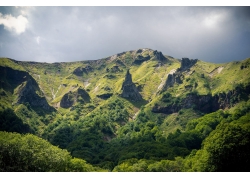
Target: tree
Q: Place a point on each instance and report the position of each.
(229, 149)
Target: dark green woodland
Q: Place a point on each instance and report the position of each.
(136, 111)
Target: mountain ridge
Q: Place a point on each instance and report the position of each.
(87, 113)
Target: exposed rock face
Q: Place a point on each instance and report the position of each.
(172, 79)
(24, 87)
(155, 55)
(120, 54)
(140, 59)
(70, 98)
(82, 95)
(80, 70)
(159, 56)
(207, 103)
(115, 69)
(11, 78)
(187, 63)
(67, 100)
(176, 78)
(139, 51)
(204, 103)
(129, 89)
(27, 94)
(119, 63)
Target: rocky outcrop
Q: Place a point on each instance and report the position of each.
(115, 69)
(24, 88)
(80, 70)
(82, 95)
(159, 56)
(202, 103)
(172, 79)
(67, 100)
(129, 90)
(120, 63)
(177, 77)
(186, 63)
(206, 103)
(139, 51)
(28, 91)
(140, 59)
(10, 78)
(70, 98)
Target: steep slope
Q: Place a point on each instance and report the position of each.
(129, 89)
(112, 117)
(69, 99)
(28, 153)
(23, 88)
(21, 95)
(205, 86)
(100, 77)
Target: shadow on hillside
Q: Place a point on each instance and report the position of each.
(137, 104)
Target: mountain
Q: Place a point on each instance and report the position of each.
(134, 111)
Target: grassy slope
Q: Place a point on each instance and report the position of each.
(28, 153)
(57, 79)
(216, 78)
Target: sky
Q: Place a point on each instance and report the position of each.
(74, 33)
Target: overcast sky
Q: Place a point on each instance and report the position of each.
(56, 34)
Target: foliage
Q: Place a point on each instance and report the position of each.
(11, 123)
(122, 135)
(226, 148)
(30, 153)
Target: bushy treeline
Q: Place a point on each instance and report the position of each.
(224, 140)
(11, 123)
(29, 153)
(218, 141)
(226, 149)
(96, 139)
(87, 136)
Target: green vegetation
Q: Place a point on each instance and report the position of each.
(28, 153)
(71, 117)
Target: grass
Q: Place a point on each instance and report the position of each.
(203, 77)
(5, 62)
(231, 76)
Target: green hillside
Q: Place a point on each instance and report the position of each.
(189, 115)
(29, 153)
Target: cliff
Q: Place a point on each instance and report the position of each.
(129, 89)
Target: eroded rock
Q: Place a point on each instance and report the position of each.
(129, 89)
(70, 98)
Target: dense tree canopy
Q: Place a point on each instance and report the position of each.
(30, 153)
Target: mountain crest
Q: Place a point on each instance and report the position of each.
(177, 76)
(187, 63)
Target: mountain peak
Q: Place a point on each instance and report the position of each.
(187, 63)
(129, 89)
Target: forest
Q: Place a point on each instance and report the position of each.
(88, 117)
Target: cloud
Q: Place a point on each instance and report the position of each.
(17, 25)
(214, 34)
(38, 39)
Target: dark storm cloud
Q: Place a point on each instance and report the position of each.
(215, 34)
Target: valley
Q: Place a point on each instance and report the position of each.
(133, 111)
